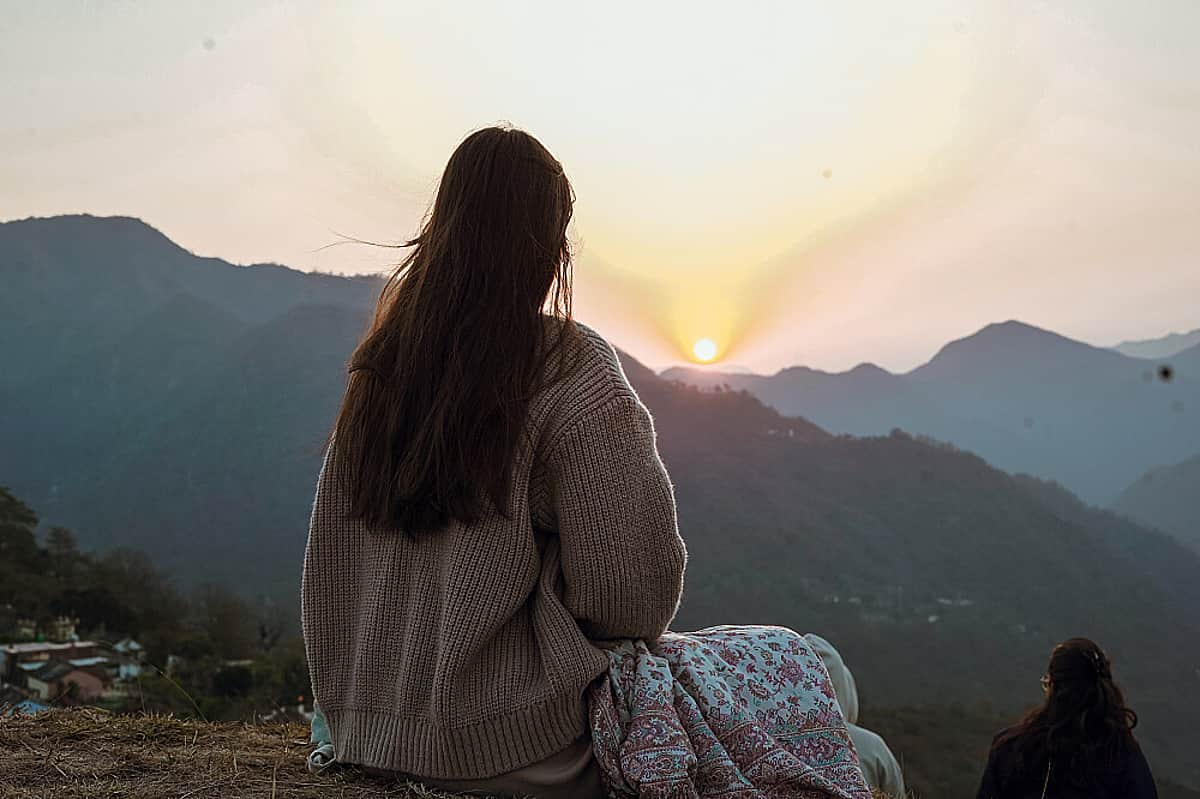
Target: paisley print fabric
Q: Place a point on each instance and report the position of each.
(731, 712)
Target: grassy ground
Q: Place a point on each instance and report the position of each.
(73, 753)
(87, 752)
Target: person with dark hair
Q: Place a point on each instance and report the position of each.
(491, 500)
(494, 530)
(1078, 743)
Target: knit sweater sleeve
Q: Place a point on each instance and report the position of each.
(622, 557)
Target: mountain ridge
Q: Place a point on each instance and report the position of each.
(1167, 498)
(1025, 398)
(989, 333)
(1162, 347)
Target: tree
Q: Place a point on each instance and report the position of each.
(233, 682)
(281, 676)
(159, 610)
(60, 543)
(227, 621)
(272, 623)
(64, 555)
(20, 556)
(97, 609)
(18, 546)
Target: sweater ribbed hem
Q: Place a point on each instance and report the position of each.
(487, 749)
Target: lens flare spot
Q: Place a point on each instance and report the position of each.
(704, 349)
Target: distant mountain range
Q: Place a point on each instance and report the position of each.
(1026, 399)
(175, 404)
(1163, 347)
(1167, 498)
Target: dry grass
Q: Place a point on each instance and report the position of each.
(87, 752)
(80, 753)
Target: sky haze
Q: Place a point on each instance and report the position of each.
(798, 182)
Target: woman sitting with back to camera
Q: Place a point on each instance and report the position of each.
(1078, 744)
(493, 530)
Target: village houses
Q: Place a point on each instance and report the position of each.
(65, 671)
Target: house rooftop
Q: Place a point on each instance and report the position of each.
(52, 670)
(32, 647)
(26, 706)
(94, 661)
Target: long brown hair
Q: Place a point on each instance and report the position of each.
(440, 384)
(1083, 725)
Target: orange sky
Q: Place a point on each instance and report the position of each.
(800, 182)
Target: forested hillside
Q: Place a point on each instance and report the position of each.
(1027, 399)
(1168, 498)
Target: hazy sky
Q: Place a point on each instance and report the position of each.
(802, 182)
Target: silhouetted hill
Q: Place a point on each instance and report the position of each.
(1167, 498)
(189, 424)
(1163, 347)
(73, 277)
(1026, 399)
(1003, 351)
(1186, 362)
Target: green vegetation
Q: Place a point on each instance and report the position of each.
(1168, 498)
(229, 660)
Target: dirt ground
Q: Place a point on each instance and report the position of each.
(87, 752)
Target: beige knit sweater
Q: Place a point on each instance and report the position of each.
(466, 654)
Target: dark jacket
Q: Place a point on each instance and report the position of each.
(1127, 778)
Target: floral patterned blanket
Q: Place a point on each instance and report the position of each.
(731, 712)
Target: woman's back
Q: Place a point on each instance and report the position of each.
(465, 652)
(1078, 743)
(492, 515)
(1125, 776)
(491, 498)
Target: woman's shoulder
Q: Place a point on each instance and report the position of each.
(1001, 754)
(587, 376)
(584, 341)
(591, 361)
(1004, 735)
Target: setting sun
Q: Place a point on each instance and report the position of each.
(704, 349)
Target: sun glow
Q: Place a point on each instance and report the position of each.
(743, 138)
(704, 349)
